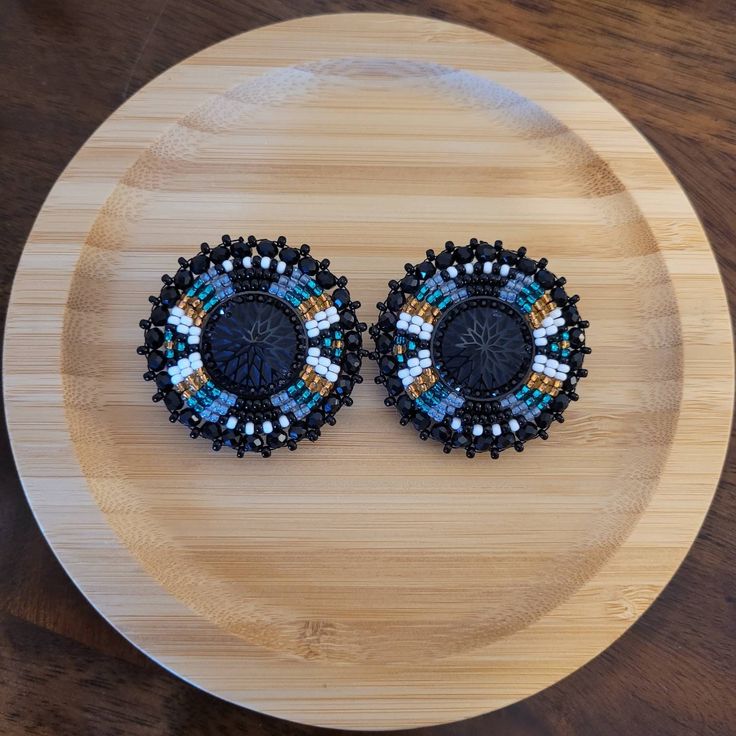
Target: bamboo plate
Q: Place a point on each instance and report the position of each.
(370, 581)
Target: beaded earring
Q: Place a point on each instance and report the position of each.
(480, 347)
(253, 345)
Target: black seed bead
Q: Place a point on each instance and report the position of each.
(508, 258)
(289, 256)
(483, 443)
(527, 432)
(576, 360)
(460, 440)
(297, 432)
(183, 279)
(169, 296)
(395, 301)
(505, 440)
(240, 249)
(571, 314)
(154, 338)
(315, 420)
(394, 385)
(230, 438)
(545, 419)
(326, 280)
(219, 254)
(199, 263)
(308, 265)
(159, 315)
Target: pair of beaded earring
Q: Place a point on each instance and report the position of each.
(256, 345)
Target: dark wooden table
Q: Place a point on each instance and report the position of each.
(65, 65)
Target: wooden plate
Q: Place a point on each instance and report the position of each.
(370, 581)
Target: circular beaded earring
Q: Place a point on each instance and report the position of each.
(253, 345)
(480, 347)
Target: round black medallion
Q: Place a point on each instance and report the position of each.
(253, 344)
(484, 347)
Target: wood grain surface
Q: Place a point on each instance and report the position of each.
(671, 679)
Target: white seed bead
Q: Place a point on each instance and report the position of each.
(415, 371)
(452, 271)
(173, 320)
(537, 367)
(250, 428)
(186, 320)
(332, 318)
(555, 313)
(547, 322)
(193, 339)
(403, 373)
(331, 376)
(323, 361)
(560, 321)
(310, 324)
(311, 360)
(182, 363)
(477, 430)
(424, 354)
(284, 421)
(423, 335)
(541, 358)
(513, 425)
(552, 330)
(324, 325)
(197, 364)
(407, 380)
(468, 268)
(487, 267)
(427, 327)
(177, 311)
(195, 330)
(182, 329)
(505, 269)
(228, 266)
(563, 368)
(280, 267)
(539, 332)
(265, 262)
(321, 369)
(412, 362)
(560, 376)
(405, 316)
(247, 262)
(425, 362)
(414, 329)
(551, 372)
(232, 422)
(456, 424)
(320, 316)
(313, 351)
(173, 370)
(186, 372)
(540, 341)
(417, 320)
(267, 427)
(313, 333)
(331, 310)
(402, 325)
(552, 363)
(495, 430)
